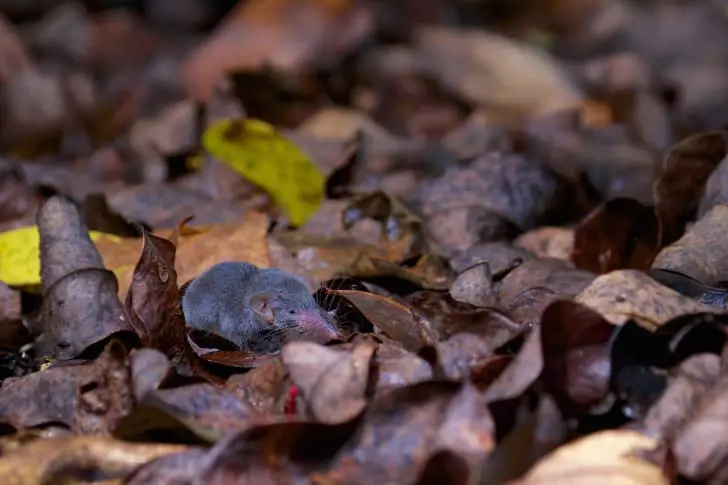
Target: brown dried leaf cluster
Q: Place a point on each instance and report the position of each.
(522, 242)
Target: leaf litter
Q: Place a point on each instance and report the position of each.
(512, 214)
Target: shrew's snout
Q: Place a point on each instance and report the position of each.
(313, 323)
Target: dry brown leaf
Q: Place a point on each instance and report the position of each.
(280, 33)
(64, 459)
(700, 253)
(332, 381)
(548, 242)
(632, 295)
(474, 286)
(396, 319)
(244, 240)
(80, 305)
(488, 69)
(685, 170)
(607, 458)
(554, 274)
(345, 124)
(396, 367)
(699, 444)
(694, 377)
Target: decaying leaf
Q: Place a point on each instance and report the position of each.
(696, 254)
(632, 295)
(153, 299)
(80, 306)
(89, 398)
(333, 382)
(396, 319)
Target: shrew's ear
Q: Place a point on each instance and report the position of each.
(261, 304)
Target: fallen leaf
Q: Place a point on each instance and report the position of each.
(691, 380)
(402, 231)
(396, 367)
(13, 334)
(632, 295)
(80, 303)
(345, 125)
(333, 382)
(152, 301)
(256, 151)
(610, 457)
(90, 398)
(619, 234)
(243, 240)
(686, 169)
(394, 318)
(262, 387)
(492, 70)
(500, 257)
(68, 458)
(513, 187)
(687, 286)
(416, 421)
(548, 242)
(554, 274)
(577, 365)
(474, 286)
(284, 35)
(696, 254)
(20, 254)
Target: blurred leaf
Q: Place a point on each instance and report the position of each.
(256, 151)
(608, 457)
(619, 234)
(698, 253)
(72, 459)
(20, 254)
(576, 357)
(685, 170)
(488, 69)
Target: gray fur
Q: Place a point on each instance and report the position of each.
(219, 301)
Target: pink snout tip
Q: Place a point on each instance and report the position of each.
(317, 325)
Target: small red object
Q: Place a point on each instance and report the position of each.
(290, 407)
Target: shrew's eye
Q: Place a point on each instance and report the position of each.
(292, 312)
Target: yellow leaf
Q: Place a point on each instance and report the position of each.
(20, 254)
(259, 153)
